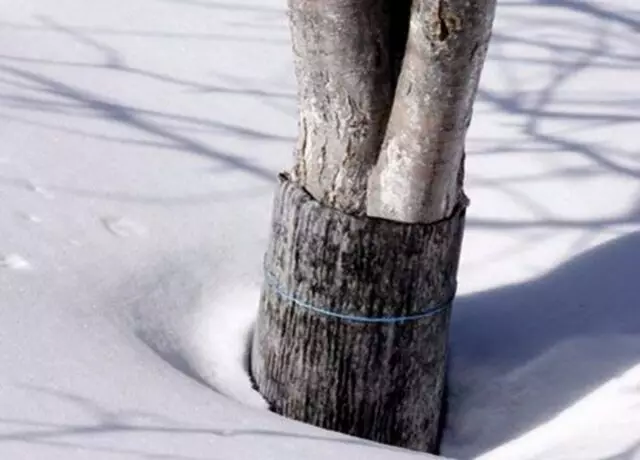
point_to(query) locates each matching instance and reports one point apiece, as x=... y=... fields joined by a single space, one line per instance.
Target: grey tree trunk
x=422 y=155
x=362 y=265
x=347 y=56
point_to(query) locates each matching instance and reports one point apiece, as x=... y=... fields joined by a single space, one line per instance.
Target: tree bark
x=422 y=155
x=347 y=56
x=325 y=349
x=362 y=265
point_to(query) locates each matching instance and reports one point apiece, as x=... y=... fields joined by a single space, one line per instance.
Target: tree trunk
x=422 y=155
x=362 y=265
x=329 y=352
x=347 y=56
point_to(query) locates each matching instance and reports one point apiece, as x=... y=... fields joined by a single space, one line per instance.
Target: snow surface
x=139 y=147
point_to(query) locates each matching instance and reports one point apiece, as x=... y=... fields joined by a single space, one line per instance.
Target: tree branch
x=347 y=59
x=417 y=176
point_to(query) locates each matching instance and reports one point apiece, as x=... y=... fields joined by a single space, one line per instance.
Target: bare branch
x=347 y=58
x=417 y=177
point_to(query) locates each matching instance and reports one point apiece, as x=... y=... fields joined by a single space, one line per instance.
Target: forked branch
x=347 y=59
x=419 y=170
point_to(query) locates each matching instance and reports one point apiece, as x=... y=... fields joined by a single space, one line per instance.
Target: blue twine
x=270 y=279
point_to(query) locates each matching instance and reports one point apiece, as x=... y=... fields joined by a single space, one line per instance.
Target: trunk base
x=352 y=329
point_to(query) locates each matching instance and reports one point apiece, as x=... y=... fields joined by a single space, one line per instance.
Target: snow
x=140 y=144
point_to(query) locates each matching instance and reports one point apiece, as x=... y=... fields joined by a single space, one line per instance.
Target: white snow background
x=139 y=145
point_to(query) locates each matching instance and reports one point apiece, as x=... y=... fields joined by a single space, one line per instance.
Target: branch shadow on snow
x=568 y=326
x=595 y=10
x=523 y=353
x=31 y=91
x=159 y=125
x=143 y=120
x=267 y=11
x=105 y=421
x=548 y=114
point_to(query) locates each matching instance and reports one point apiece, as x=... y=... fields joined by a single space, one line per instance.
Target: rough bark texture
x=381 y=381
x=382 y=124
x=347 y=56
x=415 y=177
